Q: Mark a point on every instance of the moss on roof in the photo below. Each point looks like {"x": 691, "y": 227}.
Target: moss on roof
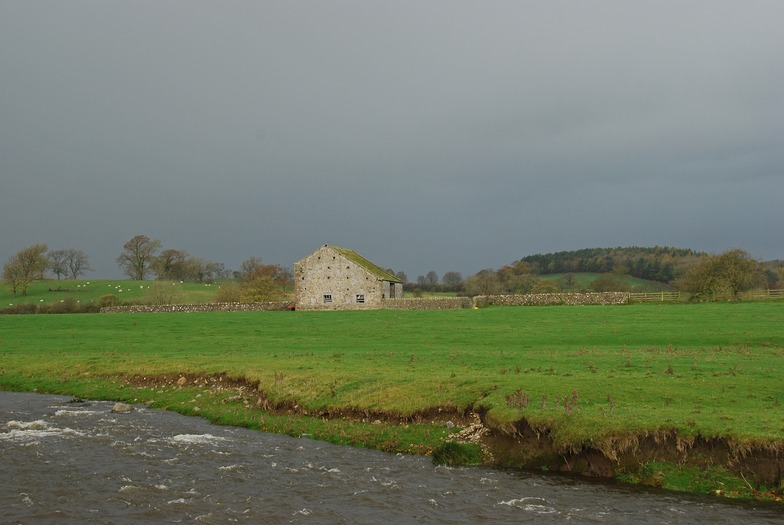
{"x": 356, "y": 258}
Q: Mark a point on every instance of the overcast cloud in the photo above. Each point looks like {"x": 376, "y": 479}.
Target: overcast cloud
{"x": 426, "y": 135}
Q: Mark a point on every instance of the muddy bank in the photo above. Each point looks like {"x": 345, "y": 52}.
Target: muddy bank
{"x": 252, "y": 395}
{"x": 522, "y": 446}
{"x": 526, "y": 447}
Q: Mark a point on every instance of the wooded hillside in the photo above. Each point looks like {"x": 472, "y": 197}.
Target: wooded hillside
{"x": 659, "y": 263}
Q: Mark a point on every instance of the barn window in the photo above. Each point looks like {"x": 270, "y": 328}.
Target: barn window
{"x": 327, "y": 298}
{"x": 360, "y": 298}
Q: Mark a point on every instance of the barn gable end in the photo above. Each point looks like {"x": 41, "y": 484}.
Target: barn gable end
{"x": 333, "y": 278}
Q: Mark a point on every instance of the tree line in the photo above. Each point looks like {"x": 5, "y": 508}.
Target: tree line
{"x": 30, "y": 264}
{"x": 141, "y": 258}
{"x": 698, "y": 273}
{"x": 509, "y": 279}
{"x": 255, "y": 282}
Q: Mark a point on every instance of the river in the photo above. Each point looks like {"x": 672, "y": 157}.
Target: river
{"x": 69, "y": 463}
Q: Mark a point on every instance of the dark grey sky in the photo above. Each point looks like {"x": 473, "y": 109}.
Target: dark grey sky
{"x": 426, "y": 135}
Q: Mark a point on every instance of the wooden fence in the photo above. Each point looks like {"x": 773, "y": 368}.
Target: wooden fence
{"x": 640, "y": 297}
{"x": 763, "y": 294}
{"x": 751, "y": 295}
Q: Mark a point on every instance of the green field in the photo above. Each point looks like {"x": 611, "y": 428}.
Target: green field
{"x": 717, "y": 369}
{"x": 85, "y": 291}
{"x": 582, "y": 281}
{"x": 585, "y": 373}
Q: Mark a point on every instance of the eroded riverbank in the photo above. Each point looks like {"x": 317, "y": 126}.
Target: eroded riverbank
{"x": 659, "y": 458}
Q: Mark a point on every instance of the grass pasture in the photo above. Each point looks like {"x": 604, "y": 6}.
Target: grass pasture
{"x": 587, "y": 373}
{"x": 582, "y": 281}
{"x": 717, "y": 369}
{"x": 84, "y": 291}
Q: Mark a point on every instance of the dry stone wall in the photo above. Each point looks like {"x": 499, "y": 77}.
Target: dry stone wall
{"x": 190, "y": 308}
{"x": 427, "y": 303}
{"x": 548, "y": 299}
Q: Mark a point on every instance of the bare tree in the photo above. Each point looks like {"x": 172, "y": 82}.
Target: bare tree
{"x": 68, "y": 263}
{"x": 58, "y": 263}
{"x": 77, "y": 262}
{"x": 171, "y": 264}
{"x": 203, "y": 270}
{"x": 249, "y": 267}
{"x": 178, "y": 265}
{"x": 452, "y": 280}
{"x": 215, "y": 270}
{"x": 138, "y": 256}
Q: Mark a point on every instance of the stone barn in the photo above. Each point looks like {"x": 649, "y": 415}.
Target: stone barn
{"x": 333, "y": 278}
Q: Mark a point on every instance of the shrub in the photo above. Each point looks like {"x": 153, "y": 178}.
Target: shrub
{"x": 609, "y": 283}
{"x": 262, "y": 288}
{"x": 18, "y": 309}
{"x": 229, "y": 293}
{"x": 89, "y": 308}
{"x": 163, "y": 292}
{"x": 66, "y": 306}
{"x": 457, "y": 454}
{"x": 545, "y": 286}
{"x": 108, "y": 300}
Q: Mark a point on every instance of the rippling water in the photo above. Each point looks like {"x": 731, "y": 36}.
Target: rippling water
{"x": 79, "y": 463}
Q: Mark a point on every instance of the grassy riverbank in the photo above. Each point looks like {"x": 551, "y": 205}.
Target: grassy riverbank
{"x": 589, "y": 376}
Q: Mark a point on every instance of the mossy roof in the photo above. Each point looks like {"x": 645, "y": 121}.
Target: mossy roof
{"x": 356, "y": 258}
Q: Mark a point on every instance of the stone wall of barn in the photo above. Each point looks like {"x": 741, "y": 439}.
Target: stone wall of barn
{"x": 326, "y": 280}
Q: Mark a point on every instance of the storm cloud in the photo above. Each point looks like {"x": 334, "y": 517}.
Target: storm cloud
{"x": 428, "y": 135}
